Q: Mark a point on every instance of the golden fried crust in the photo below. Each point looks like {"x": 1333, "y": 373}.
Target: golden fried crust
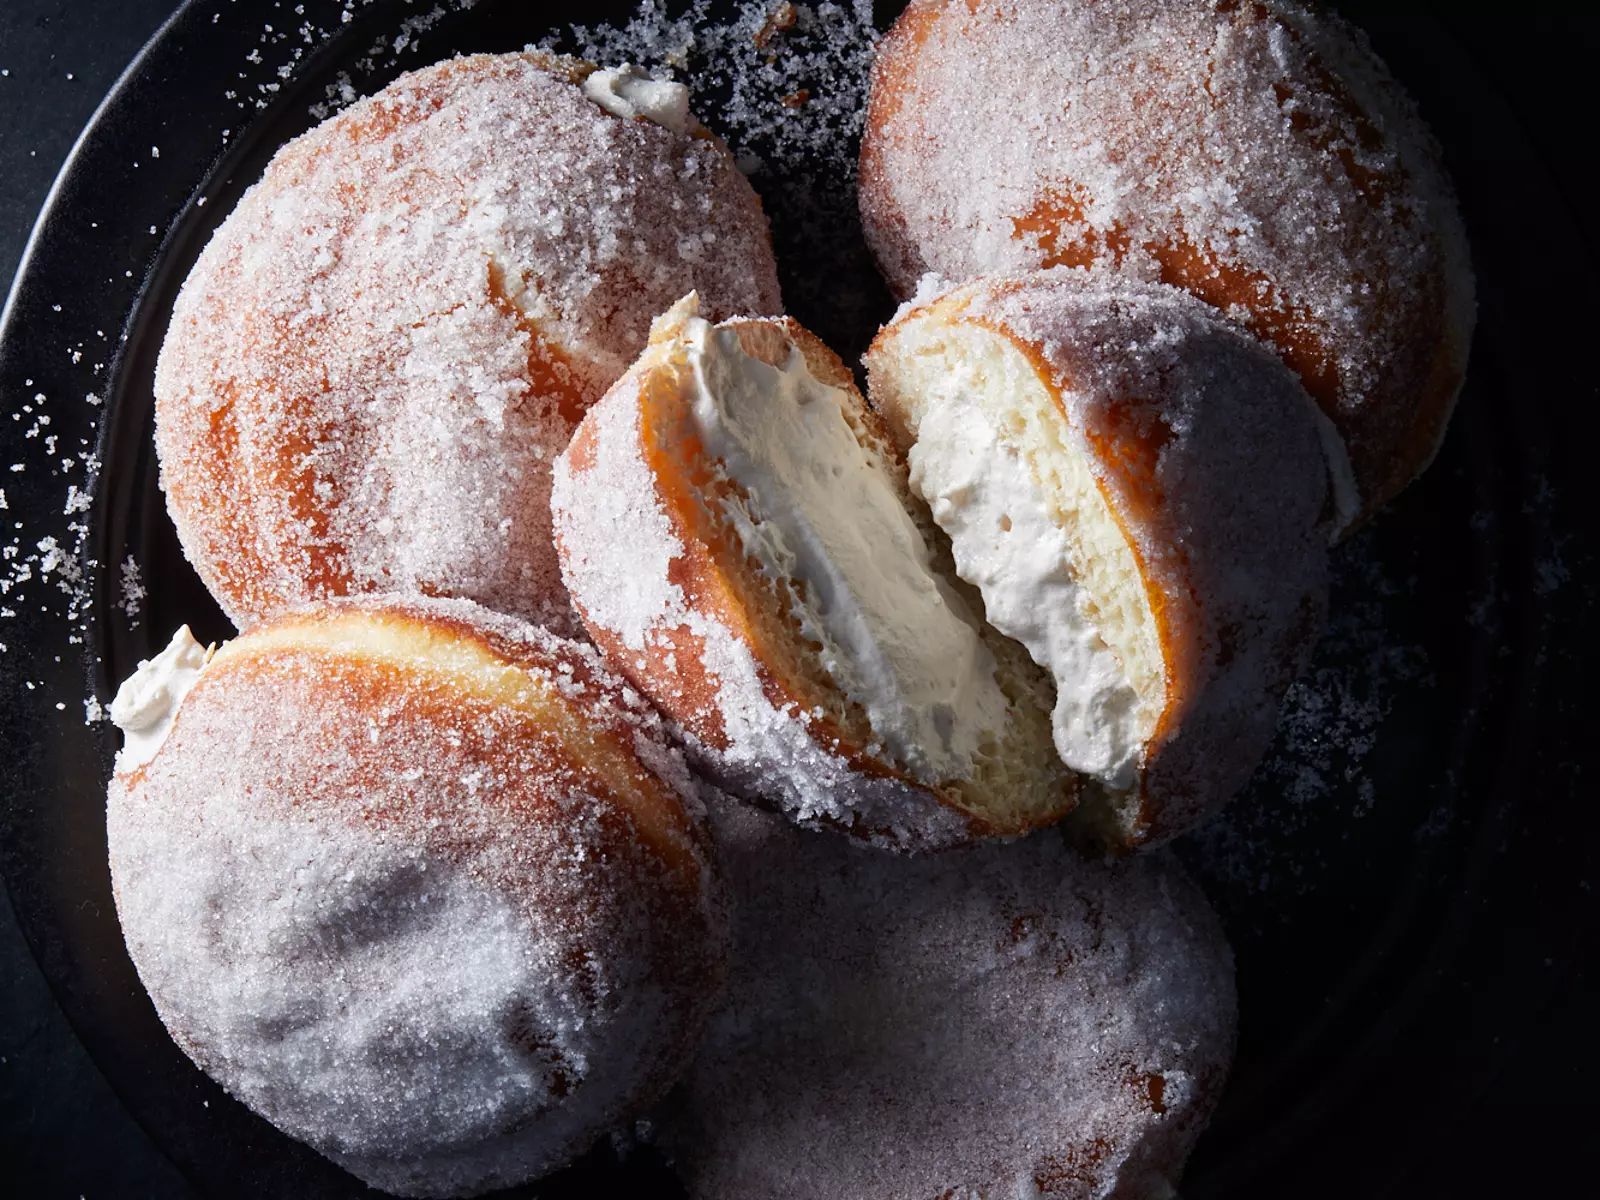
{"x": 1037, "y": 1019}
{"x": 664, "y": 586}
{"x": 374, "y": 362}
{"x": 709, "y": 568}
{"x": 1368, "y": 298}
{"x": 1204, "y": 450}
{"x": 353, "y": 795}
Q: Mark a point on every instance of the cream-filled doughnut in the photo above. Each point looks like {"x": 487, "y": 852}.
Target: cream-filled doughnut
{"x": 995, "y": 1022}
{"x": 1255, "y": 153}
{"x": 377, "y": 357}
{"x": 736, "y": 532}
{"x": 420, "y": 884}
{"x": 1137, "y": 490}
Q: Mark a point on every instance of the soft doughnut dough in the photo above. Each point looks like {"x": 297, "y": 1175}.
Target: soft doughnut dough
{"x": 382, "y": 349}
{"x": 994, "y": 1022}
{"x": 1254, "y": 152}
{"x": 419, "y": 885}
{"x": 1136, "y": 488}
{"x": 735, "y": 530}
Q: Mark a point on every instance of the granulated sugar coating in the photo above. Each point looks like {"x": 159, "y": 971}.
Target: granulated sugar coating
{"x": 649, "y": 593}
{"x": 1313, "y": 808}
{"x": 1149, "y": 390}
{"x": 423, "y": 886}
{"x": 1257, "y": 154}
{"x": 1001, "y": 1022}
{"x": 376, "y": 358}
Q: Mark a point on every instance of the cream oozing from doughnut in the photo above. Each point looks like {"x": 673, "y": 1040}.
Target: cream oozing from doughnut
{"x": 630, "y": 92}
{"x": 1010, "y": 546}
{"x": 819, "y": 510}
{"x": 148, "y": 700}
{"x": 378, "y": 356}
{"x": 1163, "y": 479}
{"x": 423, "y": 886}
{"x": 719, "y": 563}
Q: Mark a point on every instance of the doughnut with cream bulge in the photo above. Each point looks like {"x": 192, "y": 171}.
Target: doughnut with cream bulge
{"x": 421, "y": 884}
{"x": 999, "y": 1021}
{"x": 375, "y": 360}
{"x": 1137, "y": 490}
{"x": 1253, "y": 152}
{"x": 736, "y": 532}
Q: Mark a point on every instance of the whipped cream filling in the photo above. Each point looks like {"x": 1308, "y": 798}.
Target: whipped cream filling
{"x": 821, "y": 511}
{"x": 1341, "y": 475}
{"x": 629, "y": 92}
{"x": 148, "y": 699}
{"x": 1009, "y": 545}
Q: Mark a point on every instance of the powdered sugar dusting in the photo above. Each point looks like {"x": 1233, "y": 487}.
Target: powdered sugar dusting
{"x": 1005, "y": 1021}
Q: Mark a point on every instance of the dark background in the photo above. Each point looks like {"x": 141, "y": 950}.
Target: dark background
{"x": 62, "y": 1131}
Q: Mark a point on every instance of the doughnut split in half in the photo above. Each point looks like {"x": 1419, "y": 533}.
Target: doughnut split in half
{"x": 1137, "y": 490}
{"x": 383, "y": 348}
{"x": 996, "y": 1022}
{"x": 736, "y": 531}
{"x": 1253, "y": 152}
{"x": 418, "y": 884}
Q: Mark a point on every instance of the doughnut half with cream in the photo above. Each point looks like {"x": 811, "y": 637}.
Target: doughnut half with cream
{"x": 420, "y": 884}
{"x": 1254, "y": 152}
{"x": 996, "y": 1022}
{"x": 736, "y": 532}
{"x": 377, "y": 357}
{"x": 1137, "y": 490}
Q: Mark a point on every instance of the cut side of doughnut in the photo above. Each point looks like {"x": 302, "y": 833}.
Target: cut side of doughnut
{"x": 424, "y": 886}
{"x": 1031, "y": 529}
{"x": 1135, "y": 490}
{"x": 737, "y": 532}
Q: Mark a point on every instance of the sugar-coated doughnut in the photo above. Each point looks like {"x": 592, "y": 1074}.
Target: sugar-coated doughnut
{"x": 995, "y": 1022}
{"x": 1136, "y": 488}
{"x": 736, "y": 532}
{"x": 376, "y": 358}
{"x": 420, "y": 884}
{"x": 1254, "y": 152}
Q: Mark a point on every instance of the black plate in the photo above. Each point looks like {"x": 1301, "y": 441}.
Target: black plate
{"x": 1406, "y": 882}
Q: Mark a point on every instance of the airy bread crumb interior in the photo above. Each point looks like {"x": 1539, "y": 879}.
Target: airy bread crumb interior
{"x": 1015, "y": 782}
{"x": 928, "y": 359}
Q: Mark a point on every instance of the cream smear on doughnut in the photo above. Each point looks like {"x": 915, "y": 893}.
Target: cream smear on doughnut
{"x": 821, "y": 512}
{"x": 148, "y": 699}
{"x": 629, "y": 92}
{"x": 1010, "y": 546}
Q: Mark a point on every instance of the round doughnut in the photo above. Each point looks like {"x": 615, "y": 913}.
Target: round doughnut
{"x": 1254, "y": 152}
{"x": 736, "y": 532}
{"x": 1136, "y": 488}
{"x": 998, "y": 1021}
{"x": 374, "y": 361}
{"x": 420, "y": 884}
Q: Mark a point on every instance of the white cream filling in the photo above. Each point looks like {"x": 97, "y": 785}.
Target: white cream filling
{"x": 1009, "y": 545}
{"x": 1341, "y": 475}
{"x": 148, "y": 699}
{"x": 897, "y": 639}
{"x": 629, "y": 92}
